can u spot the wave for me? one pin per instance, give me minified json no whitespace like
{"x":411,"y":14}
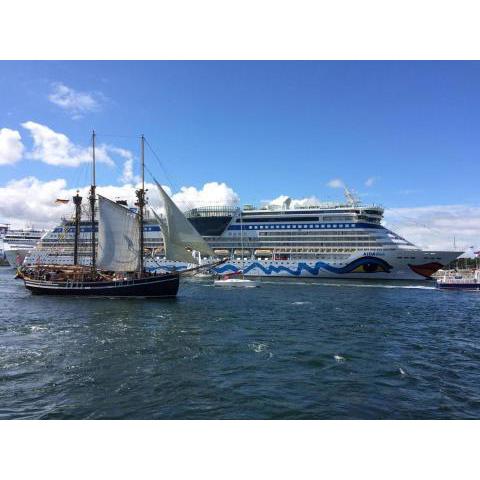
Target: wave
{"x":346,"y":283}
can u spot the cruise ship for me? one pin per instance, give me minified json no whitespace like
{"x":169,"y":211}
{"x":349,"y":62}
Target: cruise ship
{"x":330,"y":240}
{"x":18,"y":244}
{"x":3,"y":231}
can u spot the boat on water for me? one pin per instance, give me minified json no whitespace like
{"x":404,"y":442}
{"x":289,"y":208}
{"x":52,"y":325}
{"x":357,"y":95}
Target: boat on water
{"x":19,"y":243}
{"x":236,"y":279}
{"x":117,"y":259}
{"x":454,"y":280}
{"x":83,"y":283}
{"x":323,"y":240}
{"x":203,"y":275}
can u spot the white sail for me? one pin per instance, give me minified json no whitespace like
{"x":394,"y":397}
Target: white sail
{"x":180,"y":236}
{"x":173,"y":251}
{"x":118,"y":237}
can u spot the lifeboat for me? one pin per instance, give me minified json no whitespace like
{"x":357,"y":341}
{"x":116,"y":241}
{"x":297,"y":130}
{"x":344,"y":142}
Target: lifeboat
{"x":240,"y":252}
{"x":263,"y":253}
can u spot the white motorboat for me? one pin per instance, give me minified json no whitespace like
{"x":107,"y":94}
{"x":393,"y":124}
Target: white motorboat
{"x":203,"y":275}
{"x":235,"y":282}
{"x":236,"y":279}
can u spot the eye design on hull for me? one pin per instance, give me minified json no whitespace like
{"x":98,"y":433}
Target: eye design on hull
{"x":371,"y":267}
{"x":368,"y":265}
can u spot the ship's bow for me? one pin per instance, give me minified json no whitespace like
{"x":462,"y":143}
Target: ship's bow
{"x":434,"y":261}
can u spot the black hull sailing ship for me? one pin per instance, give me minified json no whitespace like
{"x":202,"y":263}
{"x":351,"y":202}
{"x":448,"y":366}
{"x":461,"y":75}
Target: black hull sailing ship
{"x":117,"y":268}
{"x":157,"y":286}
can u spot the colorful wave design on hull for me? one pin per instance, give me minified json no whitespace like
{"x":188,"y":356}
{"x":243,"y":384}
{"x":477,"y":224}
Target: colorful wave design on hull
{"x":360,"y":265}
{"x":167,"y":268}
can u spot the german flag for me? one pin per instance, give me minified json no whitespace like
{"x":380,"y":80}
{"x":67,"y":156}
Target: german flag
{"x":61,"y":201}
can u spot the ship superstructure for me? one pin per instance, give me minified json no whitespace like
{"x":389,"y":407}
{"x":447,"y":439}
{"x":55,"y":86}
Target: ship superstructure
{"x":339,"y":240}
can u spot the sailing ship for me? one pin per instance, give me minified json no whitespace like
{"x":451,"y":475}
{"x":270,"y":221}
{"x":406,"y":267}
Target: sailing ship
{"x":117,"y":268}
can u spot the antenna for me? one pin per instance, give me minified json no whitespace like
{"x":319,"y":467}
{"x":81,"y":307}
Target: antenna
{"x":241,"y":235}
{"x":352,"y":199}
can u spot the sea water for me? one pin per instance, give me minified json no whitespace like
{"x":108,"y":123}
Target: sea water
{"x":286,"y":350}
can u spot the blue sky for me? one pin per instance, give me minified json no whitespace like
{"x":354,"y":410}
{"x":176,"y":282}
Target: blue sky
{"x":264,"y":128}
{"x":271,"y":128}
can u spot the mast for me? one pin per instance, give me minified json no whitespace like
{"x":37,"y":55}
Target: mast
{"x":141,"y":201}
{"x":92,"y":202}
{"x":77,"y":200}
{"x":241,"y":235}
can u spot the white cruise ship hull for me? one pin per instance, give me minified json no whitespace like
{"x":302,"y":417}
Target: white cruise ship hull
{"x":416,"y":265}
{"x":396,"y":265}
{"x":15,"y":257}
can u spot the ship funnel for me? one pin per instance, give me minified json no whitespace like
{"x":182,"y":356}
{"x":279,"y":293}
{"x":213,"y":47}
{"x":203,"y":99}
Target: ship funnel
{"x":286,"y":203}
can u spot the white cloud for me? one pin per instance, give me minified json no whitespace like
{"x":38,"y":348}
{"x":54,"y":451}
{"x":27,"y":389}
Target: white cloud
{"x":295,"y":202}
{"x":127,"y":174}
{"x":369,"y":182}
{"x":212,"y":193}
{"x":127,"y":171}
{"x":76,"y":103}
{"x":30,"y":201}
{"x":57,"y":149}
{"x":11,"y":146}
{"x":435,"y":226}
{"x":336,"y":183}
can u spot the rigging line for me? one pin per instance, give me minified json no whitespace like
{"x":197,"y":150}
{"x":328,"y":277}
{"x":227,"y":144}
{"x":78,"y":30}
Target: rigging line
{"x":173,"y":184}
{"x":167,"y":176}
{"x":187,"y":204}
{"x":151,"y":175}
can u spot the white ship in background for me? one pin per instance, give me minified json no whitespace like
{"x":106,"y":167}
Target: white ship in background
{"x":3,"y":231}
{"x":341,"y":240}
{"x":18,"y":244}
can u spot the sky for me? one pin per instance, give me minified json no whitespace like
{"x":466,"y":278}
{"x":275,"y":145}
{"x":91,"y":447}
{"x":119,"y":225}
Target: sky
{"x":400,"y":134}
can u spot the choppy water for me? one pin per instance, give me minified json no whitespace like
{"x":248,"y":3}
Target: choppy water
{"x":285,"y":350}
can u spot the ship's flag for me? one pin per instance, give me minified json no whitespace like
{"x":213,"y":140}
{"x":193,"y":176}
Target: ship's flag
{"x":61,"y":201}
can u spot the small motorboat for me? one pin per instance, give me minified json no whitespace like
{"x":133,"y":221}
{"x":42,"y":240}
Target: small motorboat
{"x":203,"y":275}
{"x":456,"y":281}
{"x":235,"y":280}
